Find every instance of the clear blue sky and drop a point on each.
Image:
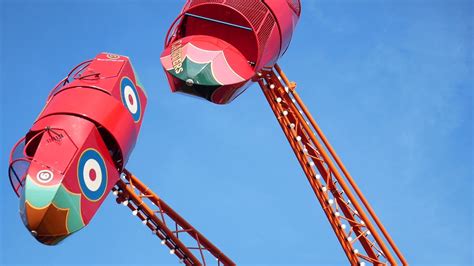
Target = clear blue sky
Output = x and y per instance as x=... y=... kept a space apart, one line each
x=390 y=82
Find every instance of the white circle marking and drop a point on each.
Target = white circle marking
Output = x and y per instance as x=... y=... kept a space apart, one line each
x=92 y=185
x=132 y=106
x=44 y=176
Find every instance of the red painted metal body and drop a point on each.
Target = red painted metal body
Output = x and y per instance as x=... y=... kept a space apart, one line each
x=258 y=30
x=75 y=151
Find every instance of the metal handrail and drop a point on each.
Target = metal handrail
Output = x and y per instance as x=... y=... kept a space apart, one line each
x=25 y=157
x=76 y=71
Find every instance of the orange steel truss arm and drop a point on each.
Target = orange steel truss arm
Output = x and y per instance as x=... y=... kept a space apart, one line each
x=360 y=234
x=182 y=239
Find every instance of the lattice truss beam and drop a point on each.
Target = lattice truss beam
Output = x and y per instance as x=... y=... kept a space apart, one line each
x=182 y=239
x=331 y=182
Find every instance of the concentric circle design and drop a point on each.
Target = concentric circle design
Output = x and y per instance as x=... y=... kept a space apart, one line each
x=92 y=174
x=130 y=98
x=113 y=56
x=44 y=176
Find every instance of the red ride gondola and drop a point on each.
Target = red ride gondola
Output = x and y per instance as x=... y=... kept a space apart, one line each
x=67 y=163
x=215 y=47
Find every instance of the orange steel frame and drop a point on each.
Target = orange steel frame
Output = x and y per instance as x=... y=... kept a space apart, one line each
x=182 y=239
x=360 y=234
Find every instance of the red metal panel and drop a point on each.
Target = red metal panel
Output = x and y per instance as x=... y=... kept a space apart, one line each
x=232 y=35
x=56 y=157
x=269 y=35
x=262 y=21
x=254 y=11
x=192 y=3
x=108 y=68
x=286 y=17
x=99 y=107
x=296 y=6
x=89 y=205
x=266 y=18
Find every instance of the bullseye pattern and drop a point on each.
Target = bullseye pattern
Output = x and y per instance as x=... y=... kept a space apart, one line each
x=44 y=176
x=130 y=98
x=92 y=174
x=113 y=56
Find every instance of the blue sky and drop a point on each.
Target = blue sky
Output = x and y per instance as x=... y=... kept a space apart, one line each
x=390 y=83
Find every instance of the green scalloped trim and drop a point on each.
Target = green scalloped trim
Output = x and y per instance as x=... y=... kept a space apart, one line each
x=201 y=74
x=41 y=197
x=66 y=200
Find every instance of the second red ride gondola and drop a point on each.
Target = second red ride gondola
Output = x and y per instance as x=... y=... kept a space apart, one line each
x=215 y=49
